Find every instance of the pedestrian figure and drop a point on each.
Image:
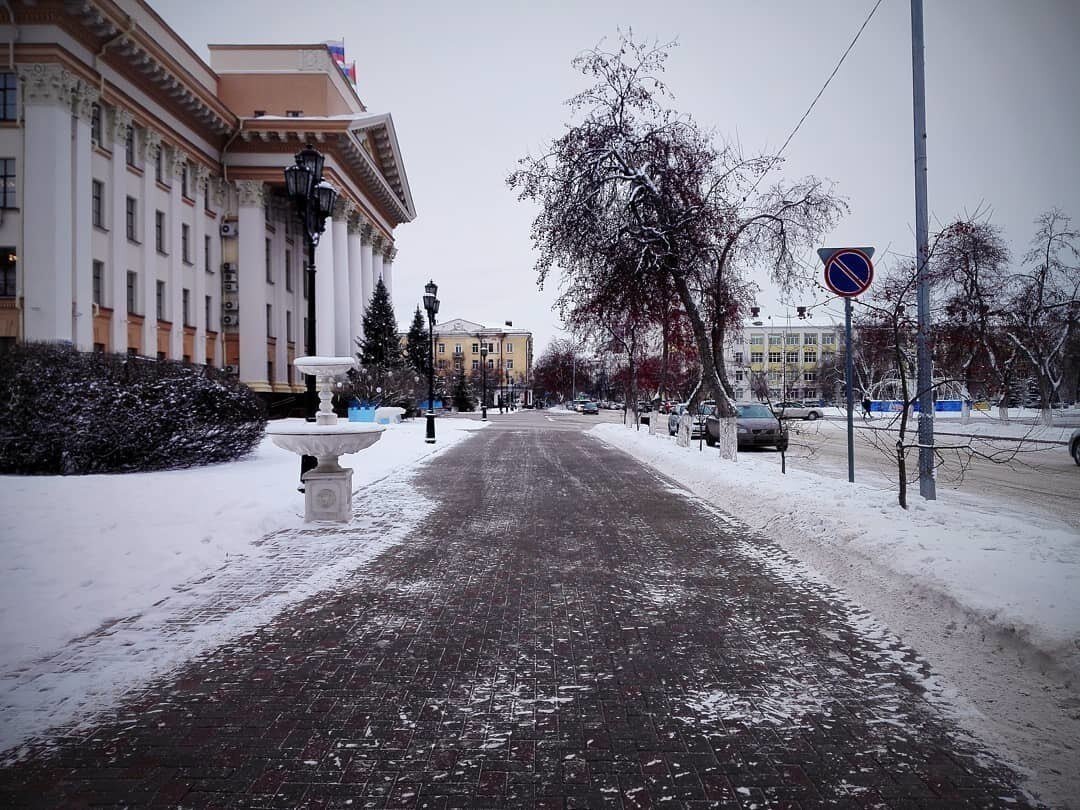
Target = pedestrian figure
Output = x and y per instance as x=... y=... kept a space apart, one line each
x=500 y=403
x=866 y=407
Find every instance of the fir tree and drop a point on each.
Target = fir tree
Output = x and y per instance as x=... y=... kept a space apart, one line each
x=463 y=398
x=380 y=349
x=416 y=345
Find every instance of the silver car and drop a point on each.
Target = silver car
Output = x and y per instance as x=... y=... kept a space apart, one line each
x=796 y=410
x=756 y=425
x=1074 y=445
x=698 y=425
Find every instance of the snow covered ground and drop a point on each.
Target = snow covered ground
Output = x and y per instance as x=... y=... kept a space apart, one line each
x=989 y=595
x=106 y=580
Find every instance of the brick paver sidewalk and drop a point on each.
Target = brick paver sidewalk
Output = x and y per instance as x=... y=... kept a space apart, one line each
x=567 y=631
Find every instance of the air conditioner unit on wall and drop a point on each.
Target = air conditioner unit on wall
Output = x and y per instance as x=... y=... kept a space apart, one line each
x=228 y=267
x=230 y=306
x=230 y=228
x=230 y=275
x=230 y=319
x=230 y=286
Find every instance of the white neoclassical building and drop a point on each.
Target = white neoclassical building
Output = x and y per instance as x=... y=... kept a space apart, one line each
x=142 y=203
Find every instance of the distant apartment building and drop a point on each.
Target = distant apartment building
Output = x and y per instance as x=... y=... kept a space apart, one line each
x=788 y=355
x=457 y=345
x=143 y=202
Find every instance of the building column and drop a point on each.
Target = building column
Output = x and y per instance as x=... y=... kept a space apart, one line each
x=47 y=209
x=117 y=223
x=150 y=146
x=324 y=297
x=175 y=288
x=343 y=340
x=82 y=253
x=280 y=212
x=356 y=280
x=378 y=244
x=217 y=190
x=368 y=280
x=251 y=270
x=198 y=286
x=389 y=254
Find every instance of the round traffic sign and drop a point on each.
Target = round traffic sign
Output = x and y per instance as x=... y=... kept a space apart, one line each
x=848 y=272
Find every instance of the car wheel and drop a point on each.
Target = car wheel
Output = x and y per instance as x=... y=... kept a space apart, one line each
x=813 y=415
x=1076 y=452
x=670 y=432
x=709 y=440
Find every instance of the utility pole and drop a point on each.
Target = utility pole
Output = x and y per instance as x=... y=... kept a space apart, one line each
x=927 y=486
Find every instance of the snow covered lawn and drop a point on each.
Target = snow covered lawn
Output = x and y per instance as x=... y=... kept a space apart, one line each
x=108 y=579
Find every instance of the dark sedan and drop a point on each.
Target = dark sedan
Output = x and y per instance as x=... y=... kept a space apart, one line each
x=757 y=427
x=589 y=407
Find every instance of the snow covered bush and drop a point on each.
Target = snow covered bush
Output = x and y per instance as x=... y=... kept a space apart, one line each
x=68 y=412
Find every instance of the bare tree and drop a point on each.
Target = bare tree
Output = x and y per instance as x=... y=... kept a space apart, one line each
x=636 y=189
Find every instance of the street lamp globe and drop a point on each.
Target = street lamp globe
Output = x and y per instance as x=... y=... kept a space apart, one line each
x=312 y=160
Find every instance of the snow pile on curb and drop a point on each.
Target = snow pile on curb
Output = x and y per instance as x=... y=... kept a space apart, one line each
x=1009 y=570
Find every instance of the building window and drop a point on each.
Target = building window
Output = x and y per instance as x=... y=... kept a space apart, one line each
x=269 y=264
x=288 y=271
x=186 y=296
x=97 y=203
x=509 y=363
x=95 y=124
x=810 y=339
x=828 y=340
x=442 y=363
x=161 y=300
x=738 y=358
x=457 y=348
x=791 y=357
x=509 y=349
x=809 y=356
x=491 y=364
x=809 y=376
x=206 y=254
x=129 y=146
x=185 y=243
x=757 y=340
x=99 y=282
x=294 y=113
x=476 y=349
x=159 y=231
x=776 y=340
x=183 y=181
x=475 y=364
x=209 y=304
x=774 y=357
x=8 y=198
x=129 y=207
x=8 y=260
x=159 y=166
x=755 y=357
x=9 y=85
x=131 y=293
x=442 y=348
x=828 y=357
x=739 y=375
x=288 y=326
x=269 y=320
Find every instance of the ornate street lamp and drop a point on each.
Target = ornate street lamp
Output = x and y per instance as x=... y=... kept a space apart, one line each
x=483 y=377
x=431 y=304
x=314 y=200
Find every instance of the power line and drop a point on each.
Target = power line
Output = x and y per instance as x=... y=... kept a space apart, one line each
x=776 y=158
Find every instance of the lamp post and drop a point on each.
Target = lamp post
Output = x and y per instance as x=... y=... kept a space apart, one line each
x=431 y=304
x=483 y=384
x=314 y=200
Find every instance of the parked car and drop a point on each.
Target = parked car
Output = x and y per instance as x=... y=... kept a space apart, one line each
x=1074 y=445
x=698 y=425
x=756 y=427
x=589 y=407
x=797 y=410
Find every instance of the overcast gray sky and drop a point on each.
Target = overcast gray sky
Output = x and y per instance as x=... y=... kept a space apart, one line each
x=474 y=85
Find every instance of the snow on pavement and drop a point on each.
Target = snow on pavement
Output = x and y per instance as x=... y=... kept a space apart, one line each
x=107 y=580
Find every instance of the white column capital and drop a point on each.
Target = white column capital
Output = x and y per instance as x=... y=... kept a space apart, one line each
x=151 y=143
x=389 y=252
x=366 y=230
x=357 y=222
x=47 y=84
x=84 y=99
x=344 y=208
x=378 y=242
x=252 y=192
x=120 y=121
x=218 y=188
x=179 y=163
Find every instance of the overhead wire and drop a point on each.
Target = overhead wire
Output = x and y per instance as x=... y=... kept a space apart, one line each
x=776 y=157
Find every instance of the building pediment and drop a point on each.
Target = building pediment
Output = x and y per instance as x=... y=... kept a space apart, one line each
x=459 y=325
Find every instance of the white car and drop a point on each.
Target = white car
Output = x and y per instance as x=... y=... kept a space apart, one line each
x=796 y=410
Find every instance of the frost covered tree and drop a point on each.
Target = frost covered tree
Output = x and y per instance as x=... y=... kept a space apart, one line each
x=643 y=197
x=380 y=346
x=417 y=352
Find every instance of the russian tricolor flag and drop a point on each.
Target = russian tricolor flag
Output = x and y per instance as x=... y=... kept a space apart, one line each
x=337 y=50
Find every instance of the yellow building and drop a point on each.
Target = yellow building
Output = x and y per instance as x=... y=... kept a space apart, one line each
x=790 y=352
x=458 y=343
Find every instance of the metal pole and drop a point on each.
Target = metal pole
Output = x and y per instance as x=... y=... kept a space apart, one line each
x=483 y=386
x=311 y=400
x=923 y=361
x=849 y=372
x=430 y=434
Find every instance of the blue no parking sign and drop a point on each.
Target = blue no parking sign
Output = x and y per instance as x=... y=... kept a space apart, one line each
x=848 y=271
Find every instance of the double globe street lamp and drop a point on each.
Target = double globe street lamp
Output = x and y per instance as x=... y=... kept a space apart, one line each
x=431 y=304
x=314 y=200
x=483 y=384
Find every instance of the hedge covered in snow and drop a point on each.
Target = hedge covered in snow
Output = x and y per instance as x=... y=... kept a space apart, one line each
x=67 y=412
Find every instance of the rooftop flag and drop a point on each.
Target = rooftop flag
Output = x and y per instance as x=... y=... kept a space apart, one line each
x=350 y=71
x=337 y=49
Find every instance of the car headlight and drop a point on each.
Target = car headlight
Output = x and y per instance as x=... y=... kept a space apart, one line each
x=743 y=430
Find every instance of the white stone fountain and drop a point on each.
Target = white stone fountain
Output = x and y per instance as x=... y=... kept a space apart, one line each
x=327 y=487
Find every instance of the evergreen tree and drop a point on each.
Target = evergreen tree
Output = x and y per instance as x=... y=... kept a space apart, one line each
x=416 y=345
x=380 y=349
x=463 y=398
